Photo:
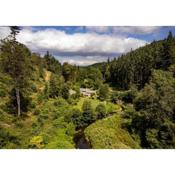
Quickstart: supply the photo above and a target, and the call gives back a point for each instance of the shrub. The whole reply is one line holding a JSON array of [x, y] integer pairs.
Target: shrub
[[36, 142], [60, 102], [33, 88], [103, 92], [3, 93], [70, 130], [37, 112], [88, 113], [76, 117], [115, 97], [101, 111]]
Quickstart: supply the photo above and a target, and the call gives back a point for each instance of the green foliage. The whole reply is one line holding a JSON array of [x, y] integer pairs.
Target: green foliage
[[107, 133], [34, 88], [172, 69], [36, 142], [126, 96], [76, 118], [100, 111], [88, 113], [52, 64], [68, 72], [65, 91], [90, 77], [103, 92], [156, 104], [142, 111], [15, 61], [12, 103], [168, 52], [8, 139], [3, 92], [55, 86]]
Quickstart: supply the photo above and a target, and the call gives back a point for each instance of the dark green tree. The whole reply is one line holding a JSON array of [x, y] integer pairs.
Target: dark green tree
[[103, 92], [100, 111], [65, 91], [168, 52], [68, 72], [16, 63], [52, 64], [156, 107], [55, 86], [76, 118], [88, 113]]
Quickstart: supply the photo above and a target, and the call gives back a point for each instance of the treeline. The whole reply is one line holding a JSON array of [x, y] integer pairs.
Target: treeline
[[136, 66], [148, 75], [25, 68]]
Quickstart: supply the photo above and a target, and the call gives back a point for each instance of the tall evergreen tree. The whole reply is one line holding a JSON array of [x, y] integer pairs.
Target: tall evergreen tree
[[16, 63], [168, 52]]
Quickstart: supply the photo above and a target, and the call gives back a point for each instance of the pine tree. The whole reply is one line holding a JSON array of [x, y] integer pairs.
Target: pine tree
[[168, 52], [16, 64]]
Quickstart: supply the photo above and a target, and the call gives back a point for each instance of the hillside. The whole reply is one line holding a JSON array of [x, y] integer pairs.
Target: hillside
[[132, 104], [108, 133]]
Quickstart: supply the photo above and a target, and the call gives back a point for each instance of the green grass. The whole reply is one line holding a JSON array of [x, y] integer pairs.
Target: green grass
[[110, 107], [79, 104], [108, 134]]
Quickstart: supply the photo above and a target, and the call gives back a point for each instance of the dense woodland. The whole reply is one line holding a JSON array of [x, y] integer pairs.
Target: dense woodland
[[134, 104]]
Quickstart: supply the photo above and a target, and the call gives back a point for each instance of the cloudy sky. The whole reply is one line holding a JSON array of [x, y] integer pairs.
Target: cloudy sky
[[85, 45]]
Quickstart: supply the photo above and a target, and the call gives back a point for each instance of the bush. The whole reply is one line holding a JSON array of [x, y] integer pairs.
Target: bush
[[36, 112], [115, 97], [103, 92], [101, 111], [76, 117], [34, 88], [36, 142], [70, 130], [129, 112], [60, 102], [88, 113], [8, 139], [40, 98], [65, 92], [3, 93]]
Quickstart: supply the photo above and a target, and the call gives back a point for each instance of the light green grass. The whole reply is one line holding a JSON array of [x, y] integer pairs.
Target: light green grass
[[108, 134], [110, 107]]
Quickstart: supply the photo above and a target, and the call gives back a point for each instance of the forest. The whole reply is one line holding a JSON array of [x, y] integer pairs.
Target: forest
[[127, 102]]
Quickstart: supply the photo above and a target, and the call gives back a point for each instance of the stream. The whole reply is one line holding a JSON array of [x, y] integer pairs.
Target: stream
[[80, 141]]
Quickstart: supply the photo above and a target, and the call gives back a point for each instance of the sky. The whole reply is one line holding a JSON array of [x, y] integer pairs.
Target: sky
[[85, 45]]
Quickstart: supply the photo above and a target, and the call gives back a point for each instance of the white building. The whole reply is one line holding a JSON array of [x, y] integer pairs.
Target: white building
[[87, 92]]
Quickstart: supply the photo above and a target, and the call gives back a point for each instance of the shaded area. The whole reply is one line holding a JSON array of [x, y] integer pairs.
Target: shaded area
[[80, 140]]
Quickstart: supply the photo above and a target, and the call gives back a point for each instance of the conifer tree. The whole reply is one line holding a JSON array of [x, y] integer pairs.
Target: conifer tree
[[168, 52], [16, 63]]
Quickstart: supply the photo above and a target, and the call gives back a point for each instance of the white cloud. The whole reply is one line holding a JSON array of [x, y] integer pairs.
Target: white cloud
[[136, 29], [78, 43], [4, 32], [140, 30], [82, 60], [77, 48], [98, 29]]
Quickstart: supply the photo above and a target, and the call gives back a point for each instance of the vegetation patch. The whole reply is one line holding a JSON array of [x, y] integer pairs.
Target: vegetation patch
[[107, 133]]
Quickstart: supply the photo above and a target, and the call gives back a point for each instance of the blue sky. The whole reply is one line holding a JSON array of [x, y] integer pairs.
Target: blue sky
[[160, 34], [85, 45]]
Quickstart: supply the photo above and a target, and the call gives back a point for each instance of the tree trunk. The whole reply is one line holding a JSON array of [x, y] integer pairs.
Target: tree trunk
[[18, 102]]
